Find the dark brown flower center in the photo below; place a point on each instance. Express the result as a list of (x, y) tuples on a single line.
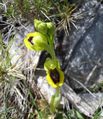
[(54, 74), (30, 40)]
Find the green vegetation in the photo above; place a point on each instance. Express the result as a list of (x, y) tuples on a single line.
[(47, 10)]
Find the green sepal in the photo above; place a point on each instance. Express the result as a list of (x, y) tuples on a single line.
[(51, 64)]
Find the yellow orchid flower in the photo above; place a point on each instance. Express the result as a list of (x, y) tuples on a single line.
[(55, 76), (35, 41)]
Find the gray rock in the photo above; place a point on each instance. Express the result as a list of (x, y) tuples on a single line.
[(83, 58)]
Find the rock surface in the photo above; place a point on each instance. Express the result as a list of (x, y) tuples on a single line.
[(83, 58)]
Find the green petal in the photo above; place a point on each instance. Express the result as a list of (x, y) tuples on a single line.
[(51, 64)]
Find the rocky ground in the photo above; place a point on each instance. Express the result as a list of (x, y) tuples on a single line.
[(80, 53)]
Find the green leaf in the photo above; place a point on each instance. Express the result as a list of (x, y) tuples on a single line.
[(79, 116)]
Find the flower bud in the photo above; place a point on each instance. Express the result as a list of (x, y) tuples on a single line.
[(36, 23), (51, 28), (35, 41)]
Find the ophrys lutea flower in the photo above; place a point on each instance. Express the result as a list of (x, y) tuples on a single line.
[(35, 41), (55, 76)]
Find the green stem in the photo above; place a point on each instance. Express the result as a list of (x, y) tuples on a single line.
[(52, 52), (49, 48), (57, 91), (55, 100)]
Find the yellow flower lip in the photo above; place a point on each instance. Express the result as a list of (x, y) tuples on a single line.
[(55, 77), (28, 40)]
